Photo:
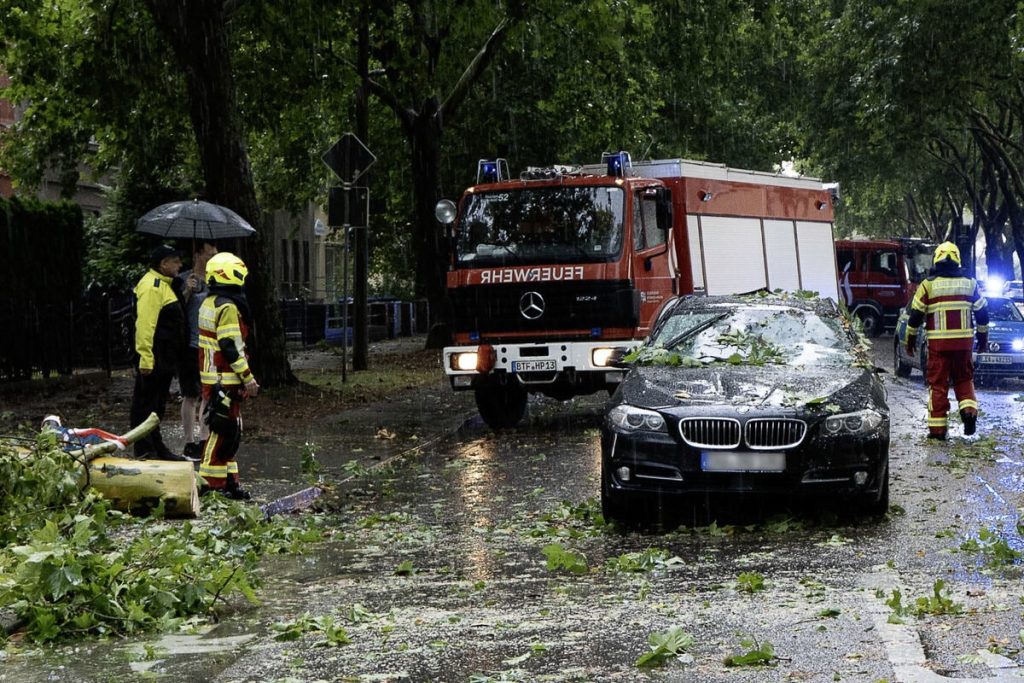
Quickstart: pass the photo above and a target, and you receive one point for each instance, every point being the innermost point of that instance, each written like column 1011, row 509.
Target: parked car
column 1015, row 292
column 1004, row 356
column 746, row 394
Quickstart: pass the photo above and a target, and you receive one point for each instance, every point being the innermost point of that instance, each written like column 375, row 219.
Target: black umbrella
column 195, row 220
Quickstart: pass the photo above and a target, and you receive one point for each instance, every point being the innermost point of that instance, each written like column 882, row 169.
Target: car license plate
column 742, row 461
column 533, row 365
column 994, row 359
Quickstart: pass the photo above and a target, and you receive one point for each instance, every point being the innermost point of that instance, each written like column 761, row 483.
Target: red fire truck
column 877, row 278
column 554, row 271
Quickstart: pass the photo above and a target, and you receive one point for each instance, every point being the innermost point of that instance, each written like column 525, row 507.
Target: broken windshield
column 546, row 224
column 761, row 334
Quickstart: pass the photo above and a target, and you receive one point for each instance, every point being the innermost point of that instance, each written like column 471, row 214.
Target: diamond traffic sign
column 348, row 158
column 348, row 206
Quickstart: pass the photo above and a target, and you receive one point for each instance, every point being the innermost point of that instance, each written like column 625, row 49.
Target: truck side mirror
column 664, row 208
column 445, row 212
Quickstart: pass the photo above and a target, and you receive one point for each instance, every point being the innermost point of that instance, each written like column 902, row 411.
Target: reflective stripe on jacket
column 159, row 322
column 222, row 335
column 949, row 307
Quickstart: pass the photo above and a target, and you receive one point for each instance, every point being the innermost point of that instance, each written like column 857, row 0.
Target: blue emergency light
column 491, row 171
column 617, row 162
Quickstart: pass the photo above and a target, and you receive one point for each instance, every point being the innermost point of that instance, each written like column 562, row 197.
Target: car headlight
column 860, row 422
column 1017, row 344
column 629, row 419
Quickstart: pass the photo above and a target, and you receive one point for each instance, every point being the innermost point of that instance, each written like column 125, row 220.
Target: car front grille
column 774, row 433
column 710, row 432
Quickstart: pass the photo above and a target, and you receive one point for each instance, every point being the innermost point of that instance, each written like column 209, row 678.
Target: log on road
column 138, row 486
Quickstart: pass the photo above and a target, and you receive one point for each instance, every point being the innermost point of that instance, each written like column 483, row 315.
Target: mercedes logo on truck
column 531, row 305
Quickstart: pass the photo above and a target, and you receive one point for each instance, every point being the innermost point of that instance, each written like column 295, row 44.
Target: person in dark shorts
column 192, row 289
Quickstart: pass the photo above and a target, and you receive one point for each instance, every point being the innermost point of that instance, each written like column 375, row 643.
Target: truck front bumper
column 532, row 364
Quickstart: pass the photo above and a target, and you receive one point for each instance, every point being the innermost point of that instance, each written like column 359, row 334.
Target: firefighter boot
column 937, row 435
column 970, row 420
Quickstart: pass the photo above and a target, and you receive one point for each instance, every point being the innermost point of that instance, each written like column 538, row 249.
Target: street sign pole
column 349, row 207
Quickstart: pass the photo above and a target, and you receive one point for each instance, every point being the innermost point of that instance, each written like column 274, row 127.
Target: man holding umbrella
column 159, row 343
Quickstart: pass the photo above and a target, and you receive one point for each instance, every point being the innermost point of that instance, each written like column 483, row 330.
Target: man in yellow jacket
column 950, row 304
column 159, row 343
column 224, row 322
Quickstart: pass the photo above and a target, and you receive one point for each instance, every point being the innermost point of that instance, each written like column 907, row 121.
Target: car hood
column 752, row 388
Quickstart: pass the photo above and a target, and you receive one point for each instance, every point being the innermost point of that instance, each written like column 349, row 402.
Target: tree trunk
column 198, row 34
column 429, row 240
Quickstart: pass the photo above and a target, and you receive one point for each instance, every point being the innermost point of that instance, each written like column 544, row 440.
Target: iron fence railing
column 97, row 332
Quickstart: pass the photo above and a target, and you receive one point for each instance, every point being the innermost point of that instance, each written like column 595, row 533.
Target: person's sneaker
column 193, row 450
column 970, row 421
column 172, row 456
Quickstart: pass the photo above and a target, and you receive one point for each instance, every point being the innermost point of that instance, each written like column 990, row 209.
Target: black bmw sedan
column 750, row 394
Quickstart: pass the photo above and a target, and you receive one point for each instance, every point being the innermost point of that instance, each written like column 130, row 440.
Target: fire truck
column 877, row 278
column 557, row 272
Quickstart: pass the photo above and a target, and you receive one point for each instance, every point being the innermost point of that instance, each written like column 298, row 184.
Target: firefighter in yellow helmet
column 953, row 310
column 224, row 323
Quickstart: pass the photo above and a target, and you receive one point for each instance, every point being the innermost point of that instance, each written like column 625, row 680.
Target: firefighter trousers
column 945, row 368
column 218, row 467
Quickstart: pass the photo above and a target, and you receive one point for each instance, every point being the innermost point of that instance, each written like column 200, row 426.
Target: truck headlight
column 860, row 422
column 466, row 360
column 629, row 419
column 600, row 357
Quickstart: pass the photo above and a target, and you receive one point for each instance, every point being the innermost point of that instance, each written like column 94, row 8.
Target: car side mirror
column 663, row 208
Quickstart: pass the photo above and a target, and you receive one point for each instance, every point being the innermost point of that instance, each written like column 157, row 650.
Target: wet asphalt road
column 437, row 565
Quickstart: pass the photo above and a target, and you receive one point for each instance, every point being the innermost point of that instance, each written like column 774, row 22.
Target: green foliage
column 44, row 242
column 570, row 520
column 309, row 465
column 70, row 567
column 665, row 646
column 749, row 582
column 645, row 561
column 334, row 634
column 935, row 604
column 993, row 547
column 560, row 558
column 756, row 654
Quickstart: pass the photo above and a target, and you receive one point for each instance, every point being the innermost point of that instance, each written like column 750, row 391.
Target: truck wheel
column 870, row 320
column 501, row 406
column 901, row 368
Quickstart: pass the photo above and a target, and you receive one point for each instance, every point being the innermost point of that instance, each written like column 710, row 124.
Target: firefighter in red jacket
column 224, row 322
column 949, row 304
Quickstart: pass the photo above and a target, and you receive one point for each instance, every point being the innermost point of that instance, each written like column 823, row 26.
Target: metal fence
column 94, row 332
column 98, row 332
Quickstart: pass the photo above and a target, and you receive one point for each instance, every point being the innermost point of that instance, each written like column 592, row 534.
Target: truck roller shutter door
column 817, row 258
column 733, row 254
column 780, row 245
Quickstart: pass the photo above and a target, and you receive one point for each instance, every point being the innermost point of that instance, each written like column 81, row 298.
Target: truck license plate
column 533, row 365
column 742, row 461
column 994, row 359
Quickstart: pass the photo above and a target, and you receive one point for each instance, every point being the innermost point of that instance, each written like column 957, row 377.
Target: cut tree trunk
column 139, row 486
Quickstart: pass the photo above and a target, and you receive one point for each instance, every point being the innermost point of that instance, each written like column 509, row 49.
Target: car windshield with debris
column 749, row 333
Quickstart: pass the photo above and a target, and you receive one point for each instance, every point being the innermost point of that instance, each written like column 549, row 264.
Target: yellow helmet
column 226, row 269
column 947, row 250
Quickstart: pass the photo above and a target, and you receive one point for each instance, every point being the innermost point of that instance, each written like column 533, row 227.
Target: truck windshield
column 545, row 224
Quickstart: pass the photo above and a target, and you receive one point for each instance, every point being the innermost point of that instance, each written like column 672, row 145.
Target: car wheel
column 877, row 504
column 870, row 320
column 901, row 368
column 501, row 406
